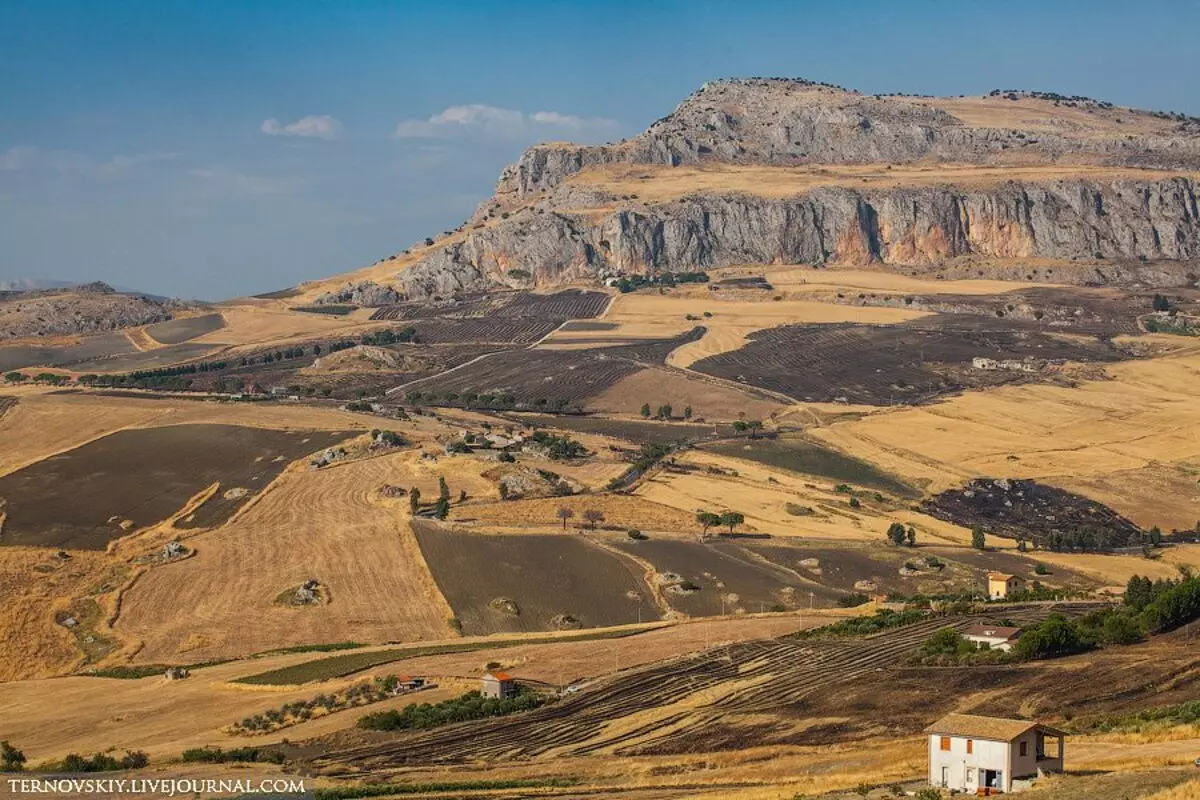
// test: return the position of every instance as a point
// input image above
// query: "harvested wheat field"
(783, 503)
(620, 511)
(163, 717)
(47, 423)
(828, 281)
(37, 589)
(1144, 416)
(708, 399)
(328, 525)
(258, 323)
(728, 322)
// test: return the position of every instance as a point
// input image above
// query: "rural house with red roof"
(498, 685)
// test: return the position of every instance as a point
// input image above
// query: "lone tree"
(978, 540)
(11, 759)
(664, 411)
(707, 519)
(646, 410)
(442, 509)
(687, 412)
(732, 519)
(593, 516)
(443, 489)
(895, 533)
(911, 536)
(564, 514)
(1161, 303)
(414, 500)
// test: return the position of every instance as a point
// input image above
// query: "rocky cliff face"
(545, 228)
(774, 121)
(1127, 220)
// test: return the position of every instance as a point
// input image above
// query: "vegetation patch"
(470, 706)
(333, 311)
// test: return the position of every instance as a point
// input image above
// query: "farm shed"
(1001, 585)
(498, 685)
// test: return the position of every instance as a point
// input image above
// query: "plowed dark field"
(544, 576)
(881, 365)
(78, 499)
(554, 376)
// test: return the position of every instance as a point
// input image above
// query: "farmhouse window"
(970, 746)
(946, 743)
(1024, 748)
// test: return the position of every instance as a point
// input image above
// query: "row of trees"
(592, 516)
(472, 705)
(665, 411)
(709, 519)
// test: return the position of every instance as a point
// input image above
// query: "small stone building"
(498, 685)
(990, 755)
(1001, 584)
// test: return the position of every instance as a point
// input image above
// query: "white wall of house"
(994, 642)
(963, 769)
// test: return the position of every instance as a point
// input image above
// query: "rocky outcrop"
(1153, 221)
(91, 308)
(784, 121)
(362, 293)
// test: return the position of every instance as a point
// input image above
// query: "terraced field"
(664, 703)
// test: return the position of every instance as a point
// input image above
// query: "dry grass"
(44, 424)
(159, 716)
(260, 323)
(1113, 569)
(707, 398)
(645, 315)
(35, 586)
(619, 510)
(327, 525)
(653, 183)
(1145, 416)
(762, 495)
(1186, 791)
(831, 280)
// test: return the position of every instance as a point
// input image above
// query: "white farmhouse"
(990, 755)
(995, 637)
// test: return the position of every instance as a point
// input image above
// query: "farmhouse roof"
(992, 631)
(500, 676)
(976, 726)
(1003, 576)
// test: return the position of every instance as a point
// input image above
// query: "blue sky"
(212, 149)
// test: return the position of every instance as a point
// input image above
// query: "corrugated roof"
(992, 631)
(975, 726)
(500, 676)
